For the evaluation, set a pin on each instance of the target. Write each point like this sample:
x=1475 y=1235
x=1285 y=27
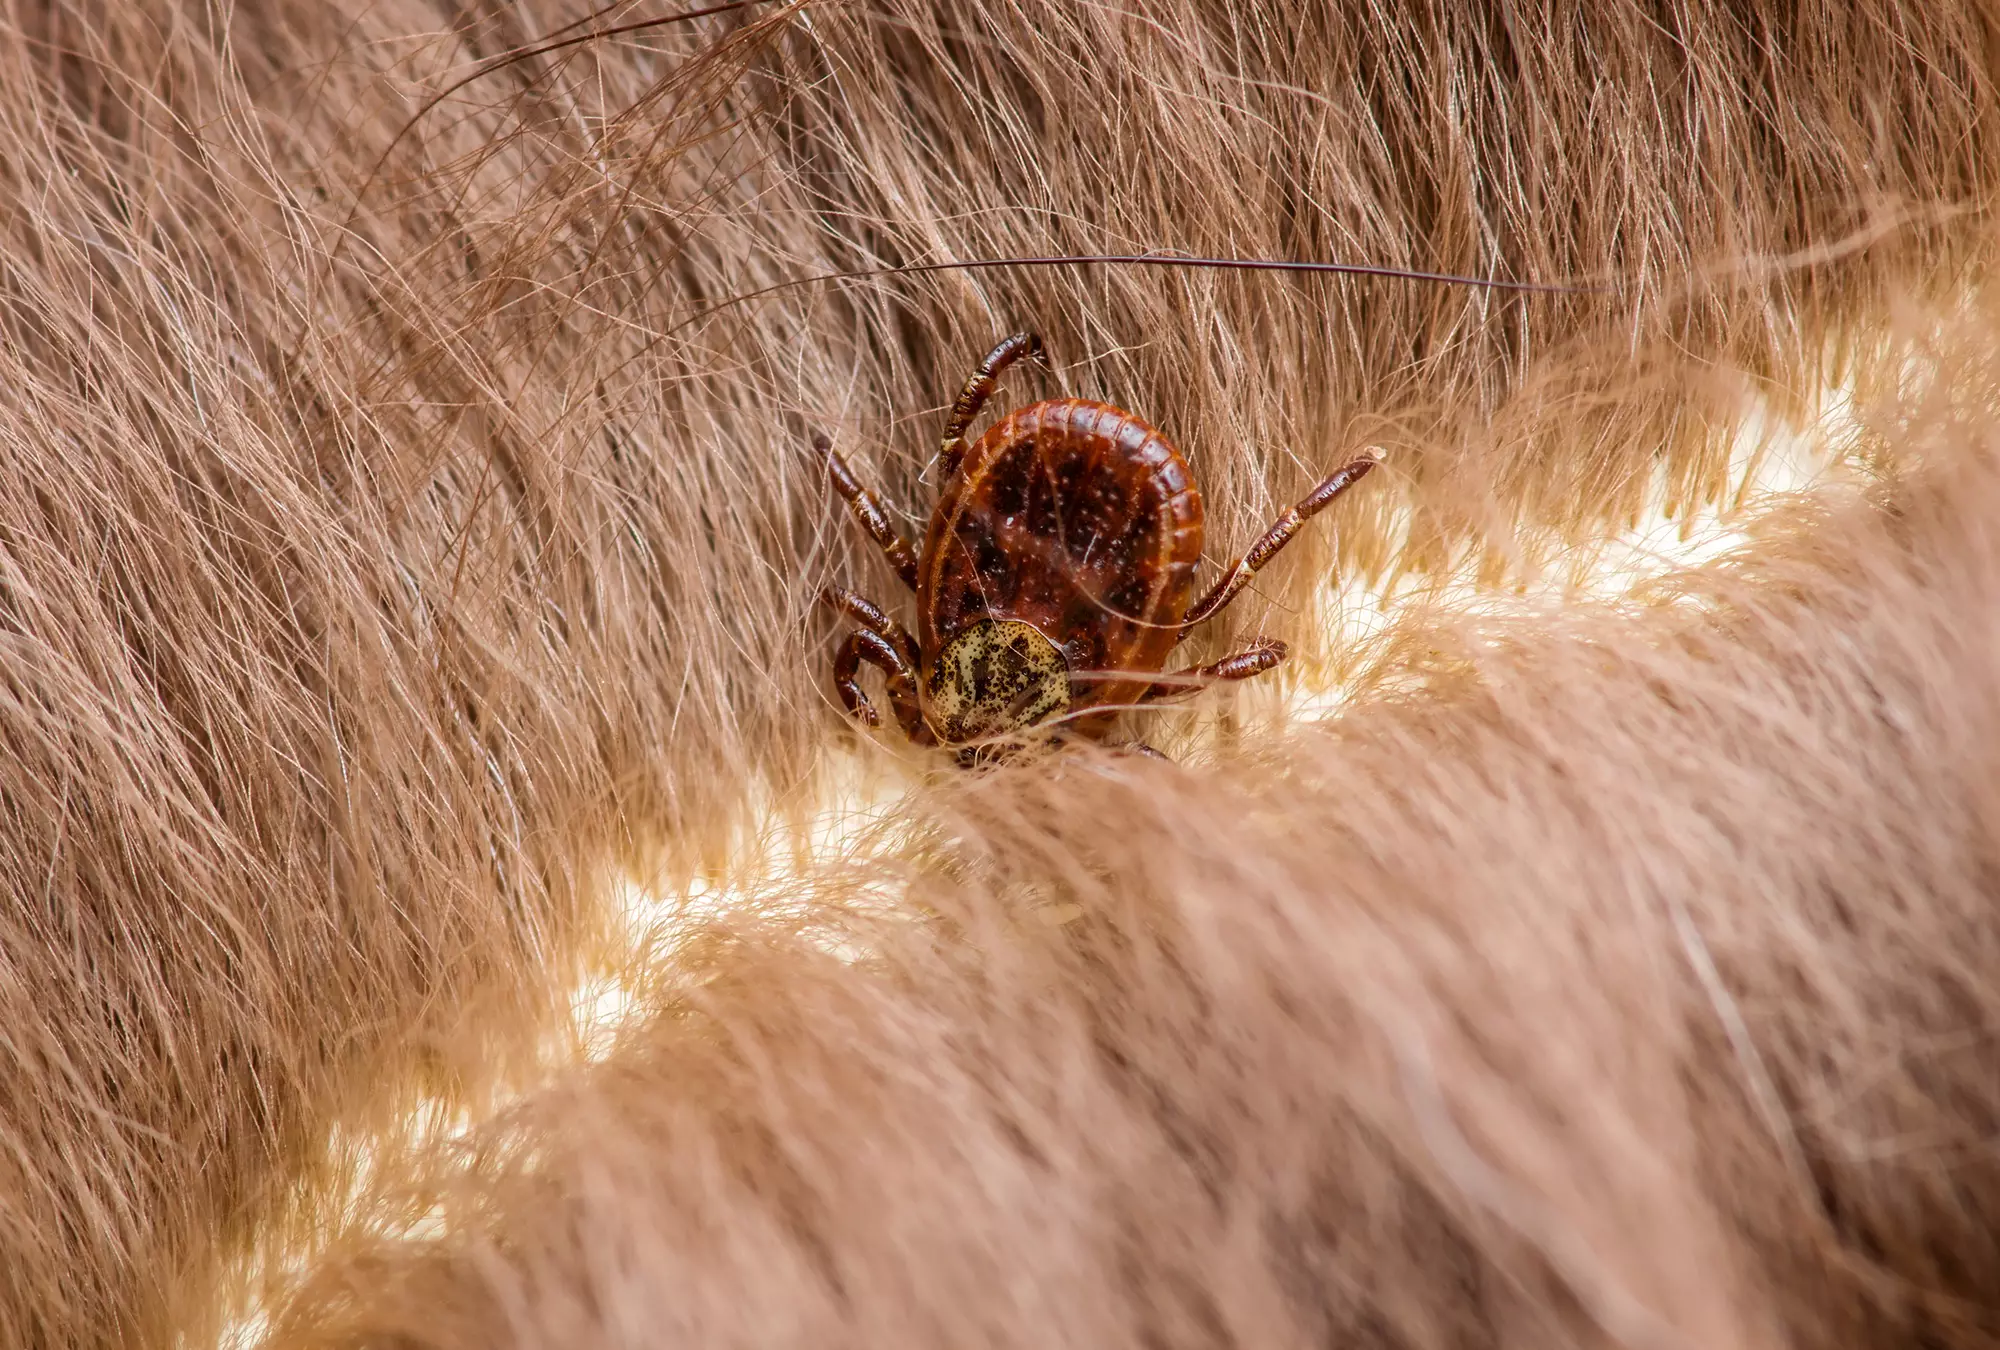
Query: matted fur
x=404 y=519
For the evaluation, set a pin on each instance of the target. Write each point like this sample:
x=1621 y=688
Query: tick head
x=998 y=677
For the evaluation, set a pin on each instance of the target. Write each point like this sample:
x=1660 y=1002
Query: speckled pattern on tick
x=1055 y=574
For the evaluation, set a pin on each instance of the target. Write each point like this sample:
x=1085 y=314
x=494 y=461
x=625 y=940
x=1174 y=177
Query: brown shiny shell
x=1078 y=519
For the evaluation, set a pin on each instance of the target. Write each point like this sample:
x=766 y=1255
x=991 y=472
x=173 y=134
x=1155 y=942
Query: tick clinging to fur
x=1055 y=576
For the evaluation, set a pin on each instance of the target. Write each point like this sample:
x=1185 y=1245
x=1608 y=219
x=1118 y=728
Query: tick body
x=1055 y=576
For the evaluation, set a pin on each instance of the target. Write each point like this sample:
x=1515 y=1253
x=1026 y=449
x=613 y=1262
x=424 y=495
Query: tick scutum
x=997 y=677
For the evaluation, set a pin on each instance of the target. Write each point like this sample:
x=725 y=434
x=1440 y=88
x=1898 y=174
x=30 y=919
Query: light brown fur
x=1642 y=999
x=399 y=529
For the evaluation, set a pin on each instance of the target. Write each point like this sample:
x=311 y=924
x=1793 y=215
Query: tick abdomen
x=1078 y=519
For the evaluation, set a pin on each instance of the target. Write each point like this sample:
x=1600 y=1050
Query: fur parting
x=1643 y=998
x=404 y=527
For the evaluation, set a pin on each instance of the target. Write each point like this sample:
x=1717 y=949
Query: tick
x=1055 y=575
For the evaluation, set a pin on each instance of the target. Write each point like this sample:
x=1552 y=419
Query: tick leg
x=868 y=509
x=977 y=390
x=865 y=644
x=1274 y=539
x=1254 y=659
x=865 y=613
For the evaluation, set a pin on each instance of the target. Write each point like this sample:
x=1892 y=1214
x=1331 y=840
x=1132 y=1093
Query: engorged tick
x=1055 y=575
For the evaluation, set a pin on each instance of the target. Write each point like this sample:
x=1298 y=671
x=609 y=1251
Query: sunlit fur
x=1638 y=996
x=406 y=530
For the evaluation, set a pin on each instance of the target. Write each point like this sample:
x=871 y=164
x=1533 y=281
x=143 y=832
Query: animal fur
x=1643 y=998
x=404 y=530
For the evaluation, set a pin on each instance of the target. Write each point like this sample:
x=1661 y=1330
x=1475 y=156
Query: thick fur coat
x=405 y=536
